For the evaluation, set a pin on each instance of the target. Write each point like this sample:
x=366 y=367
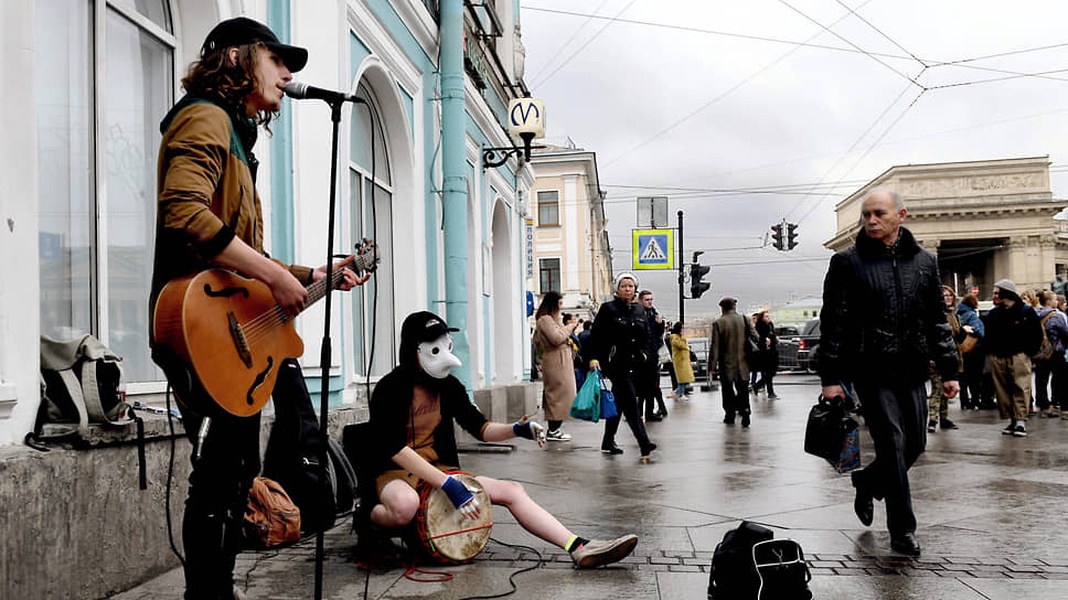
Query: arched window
x=371 y=216
x=104 y=79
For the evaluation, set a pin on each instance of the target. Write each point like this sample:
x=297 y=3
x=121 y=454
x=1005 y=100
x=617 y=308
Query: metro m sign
x=526 y=118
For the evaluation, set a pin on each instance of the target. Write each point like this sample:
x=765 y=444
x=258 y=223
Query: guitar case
x=293 y=450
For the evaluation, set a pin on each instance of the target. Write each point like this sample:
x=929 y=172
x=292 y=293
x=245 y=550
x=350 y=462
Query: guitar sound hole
x=260 y=378
x=226 y=292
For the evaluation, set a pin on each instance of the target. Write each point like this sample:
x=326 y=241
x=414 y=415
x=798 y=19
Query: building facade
x=78 y=208
x=570 y=252
x=985 y=220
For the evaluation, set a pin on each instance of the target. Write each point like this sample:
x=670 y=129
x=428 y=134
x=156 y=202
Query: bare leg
x=530 y=515
x=399 y=503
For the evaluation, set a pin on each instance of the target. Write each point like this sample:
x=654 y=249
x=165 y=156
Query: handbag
x=969 y=343
x=832 y=435
x=608 y=402
x=587 y=403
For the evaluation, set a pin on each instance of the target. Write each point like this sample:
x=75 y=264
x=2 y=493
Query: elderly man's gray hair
x=899 y=202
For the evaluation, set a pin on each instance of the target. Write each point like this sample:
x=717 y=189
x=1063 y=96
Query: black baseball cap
x=240 y=31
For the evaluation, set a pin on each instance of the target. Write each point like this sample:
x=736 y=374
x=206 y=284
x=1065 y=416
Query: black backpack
x=292 y=455
x=733 y=575
x=749 y=565
x=783 y=572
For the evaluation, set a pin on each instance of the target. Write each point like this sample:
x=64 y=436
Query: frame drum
x=443 y=533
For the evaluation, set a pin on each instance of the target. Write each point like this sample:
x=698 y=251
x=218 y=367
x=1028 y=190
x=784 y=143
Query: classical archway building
x=985 y=220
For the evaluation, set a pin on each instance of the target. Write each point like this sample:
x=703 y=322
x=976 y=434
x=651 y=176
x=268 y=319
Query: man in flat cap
x=208 y=216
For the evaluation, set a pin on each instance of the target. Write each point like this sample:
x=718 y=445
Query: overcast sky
x=715 y=104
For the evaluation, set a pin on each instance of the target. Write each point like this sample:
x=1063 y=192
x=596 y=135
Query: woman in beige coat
x=680 y=359
x=553 y=340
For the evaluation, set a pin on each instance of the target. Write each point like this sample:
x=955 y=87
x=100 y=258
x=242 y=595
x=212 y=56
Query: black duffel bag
x=828 y=428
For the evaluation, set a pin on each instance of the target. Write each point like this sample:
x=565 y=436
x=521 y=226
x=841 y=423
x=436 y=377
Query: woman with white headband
x=618 y=342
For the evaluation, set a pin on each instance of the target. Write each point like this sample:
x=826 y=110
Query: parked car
x=788 y=342
x=807 y=343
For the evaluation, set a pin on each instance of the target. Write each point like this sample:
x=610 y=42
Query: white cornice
x=370 y=30
x=420 y=23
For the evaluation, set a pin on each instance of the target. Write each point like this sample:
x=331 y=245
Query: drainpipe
x=454 y=185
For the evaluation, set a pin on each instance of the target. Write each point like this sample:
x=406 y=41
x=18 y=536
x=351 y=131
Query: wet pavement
x=992 y=512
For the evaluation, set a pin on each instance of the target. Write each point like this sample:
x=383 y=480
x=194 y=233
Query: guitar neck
x=318 y=290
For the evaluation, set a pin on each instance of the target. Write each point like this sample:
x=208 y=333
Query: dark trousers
x=627 y=402
x=224 y=463
x=971 y=379
x=735 y=396
x=896 y=418
x=1045 y=370
x=767 y=380
x=650 y=397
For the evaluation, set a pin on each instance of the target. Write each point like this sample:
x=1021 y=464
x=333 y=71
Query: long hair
x=550 y=304
x=215 y=78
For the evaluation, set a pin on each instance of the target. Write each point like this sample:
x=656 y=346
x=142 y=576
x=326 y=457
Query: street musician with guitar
x=212 y=277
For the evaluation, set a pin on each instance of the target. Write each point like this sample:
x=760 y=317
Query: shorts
x=408 y=477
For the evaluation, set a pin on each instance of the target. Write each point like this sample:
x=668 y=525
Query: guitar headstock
x=367 y=257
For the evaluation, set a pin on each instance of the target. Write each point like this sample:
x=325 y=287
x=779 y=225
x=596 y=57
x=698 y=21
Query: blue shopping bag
x=608 y=402
x=587 y=403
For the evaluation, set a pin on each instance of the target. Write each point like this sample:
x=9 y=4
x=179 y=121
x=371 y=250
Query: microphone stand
x=325 y=354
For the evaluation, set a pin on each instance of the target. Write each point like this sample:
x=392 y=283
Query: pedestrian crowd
x=895 y=342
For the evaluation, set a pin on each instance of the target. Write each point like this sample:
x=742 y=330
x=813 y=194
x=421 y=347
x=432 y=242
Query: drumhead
x=445 y=534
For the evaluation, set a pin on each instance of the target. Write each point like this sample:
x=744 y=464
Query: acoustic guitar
x=229 y=328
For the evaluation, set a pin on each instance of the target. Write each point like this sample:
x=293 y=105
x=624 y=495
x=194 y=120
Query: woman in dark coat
x=618 y=344
x=767 y=361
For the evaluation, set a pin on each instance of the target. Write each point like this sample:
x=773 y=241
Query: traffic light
x=791 y=236
x=776 y=236
x=698 y=287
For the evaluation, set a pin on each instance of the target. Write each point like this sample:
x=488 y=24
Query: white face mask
x=436 y=357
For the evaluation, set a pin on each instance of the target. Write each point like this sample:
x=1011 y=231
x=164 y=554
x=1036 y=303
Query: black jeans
x=896 y=417
x=627 y=402
x=224 y=464
x=650 y=397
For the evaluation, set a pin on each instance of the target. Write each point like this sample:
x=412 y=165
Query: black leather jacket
x=883 y=320
x=619 y=339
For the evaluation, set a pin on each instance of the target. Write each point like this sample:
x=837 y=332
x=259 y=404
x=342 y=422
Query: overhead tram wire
x=912 y=80
x=855 y=143
x=870 y=148
x=927 y=61
x=996 y=79
x=879 y=31
x=583 y=47
x=728 y=92
x=569 y=40
x=744 y=36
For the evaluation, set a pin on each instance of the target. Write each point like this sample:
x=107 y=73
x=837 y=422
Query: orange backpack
x=271 y=519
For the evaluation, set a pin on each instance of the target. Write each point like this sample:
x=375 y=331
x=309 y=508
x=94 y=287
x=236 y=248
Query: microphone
x=301 y=91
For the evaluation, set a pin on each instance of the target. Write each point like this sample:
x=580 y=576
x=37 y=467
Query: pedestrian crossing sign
x=653 y=249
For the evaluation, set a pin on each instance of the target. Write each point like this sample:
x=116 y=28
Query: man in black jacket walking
x=882 y=324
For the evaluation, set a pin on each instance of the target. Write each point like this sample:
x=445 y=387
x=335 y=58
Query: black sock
x=576 y=543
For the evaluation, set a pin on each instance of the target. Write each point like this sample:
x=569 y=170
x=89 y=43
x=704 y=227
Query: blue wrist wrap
x=456 y=491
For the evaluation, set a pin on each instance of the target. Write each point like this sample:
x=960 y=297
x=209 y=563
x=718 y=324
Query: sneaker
x=596 y=553
x=612 y=450
x=931 y=426
x=773 y=397
x=555 y=435
x=1020 y=430
x=1010 y=429
x=947 y=424
x=745 y=420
